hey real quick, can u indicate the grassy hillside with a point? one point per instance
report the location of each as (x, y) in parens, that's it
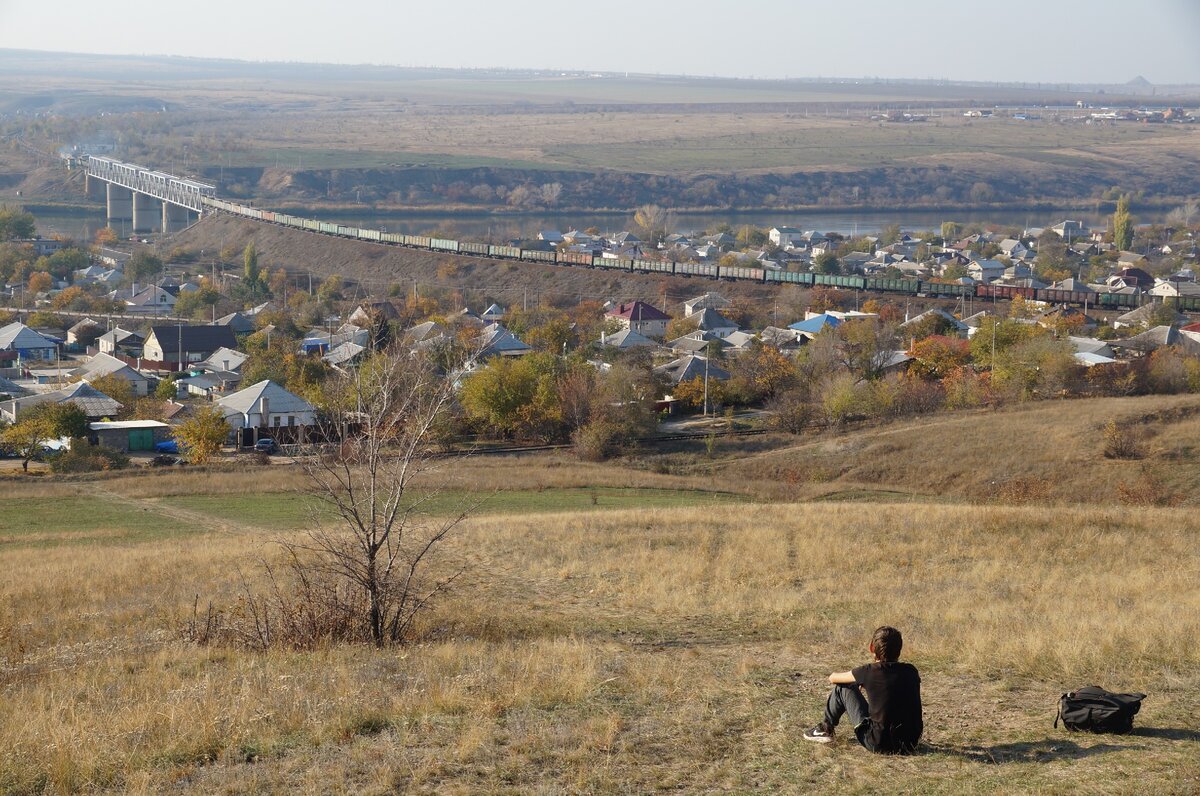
(624, 629)
(1049, 451)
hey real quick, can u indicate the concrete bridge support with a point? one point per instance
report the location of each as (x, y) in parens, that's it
(120, 206)
(147, 215)
(174, 218)
(94, 188)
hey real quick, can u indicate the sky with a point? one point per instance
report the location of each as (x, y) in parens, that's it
(1050, 41)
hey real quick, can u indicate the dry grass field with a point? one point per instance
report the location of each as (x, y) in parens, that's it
(614, 647)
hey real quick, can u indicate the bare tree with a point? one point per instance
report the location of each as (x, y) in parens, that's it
(384, 541)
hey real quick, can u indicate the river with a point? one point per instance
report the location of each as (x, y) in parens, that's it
(85, 224)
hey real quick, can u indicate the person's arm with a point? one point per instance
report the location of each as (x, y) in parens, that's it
(842, 678)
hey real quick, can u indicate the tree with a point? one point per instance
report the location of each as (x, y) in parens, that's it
(826, 263)
(382, 549)
(1122, 224)
(950, 231)
(42, 423)
(142, 266)
(936, 357)
(866, 347)
(40, 282)
(202, 435)
(250, 271)
(167, 390)
(115, 387)
(651, 222)
(760, 373)
(15, 223)
(105, 236)
(517, 397)
(331, 288)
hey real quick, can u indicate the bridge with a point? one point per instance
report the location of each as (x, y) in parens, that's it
(147, 200)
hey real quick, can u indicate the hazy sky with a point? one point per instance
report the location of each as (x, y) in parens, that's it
(1007, 40)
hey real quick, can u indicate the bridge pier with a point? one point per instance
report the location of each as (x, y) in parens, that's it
(94, 188)
(120, 206)
(174, 218)
(146, 214)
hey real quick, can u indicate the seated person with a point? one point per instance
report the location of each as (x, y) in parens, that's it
(888, 718)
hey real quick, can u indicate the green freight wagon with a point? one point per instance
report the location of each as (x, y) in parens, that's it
(444, 245)
(473, 248)
(539, 256)
(509, 252)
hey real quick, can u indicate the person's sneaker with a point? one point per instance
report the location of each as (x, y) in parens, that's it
(819, 734)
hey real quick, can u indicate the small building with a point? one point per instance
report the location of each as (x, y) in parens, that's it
(107, 365)
(95, 404)
(370, 313)
(709, 301)
(121, 341)
(785, 237)
(238, 322)
(129, 436)
(626, 339)
(83, 334)
(643, 318)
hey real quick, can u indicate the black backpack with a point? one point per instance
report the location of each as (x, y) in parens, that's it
(1092, 709)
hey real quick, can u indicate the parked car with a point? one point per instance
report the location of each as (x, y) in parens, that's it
(265, 445)
(166, 446)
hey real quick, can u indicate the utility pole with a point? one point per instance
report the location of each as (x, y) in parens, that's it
(706, 386)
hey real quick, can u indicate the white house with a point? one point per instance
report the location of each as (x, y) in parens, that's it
(266, 405)
(785, 237)
(20, 342)
(108, 365)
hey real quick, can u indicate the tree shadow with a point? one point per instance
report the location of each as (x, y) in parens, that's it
(1044, 751)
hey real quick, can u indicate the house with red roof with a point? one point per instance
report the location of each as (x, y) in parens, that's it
(643, 318)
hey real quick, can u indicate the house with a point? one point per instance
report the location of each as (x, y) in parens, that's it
(500, 342)
(713, 323)
(179, 344)
(10, 390)
(95, 404)
(345, 354)
(428, 330)
(121, 341)
(1014, 249)
(1073, 284)
(264, 409)
(810, 327)
(689, 367)
(369, 313)
(84, 333)
(782, 339)
(1169, 289)
(1090, 345)
(107, 365)
(226, 359)
(237, 322)
(129, 436)
(1070, 229)
(785, 237)
(319, 341)
(696, 343)
(626, 339)
(550, 236)
(152, 300)
(1158, 337)
(19, 342)
(952, 325)
(1131, 277)
(209, 384)
(1144, 316)
(643, 318)
(493, 313)
(986, 270)
(714, 301)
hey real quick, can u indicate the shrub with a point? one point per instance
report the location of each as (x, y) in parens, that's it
(792, 414)
(598, 440)
(1122, 443)
(83, 458)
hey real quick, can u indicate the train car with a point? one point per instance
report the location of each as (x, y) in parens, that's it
(1005, 291)
(466, 247)
(945, 289)
(369, 234)
(267, 215)
(652, 266)
(740, 272)
(539, 256)
(349, 232)
(618, 263)
(420, 241)
(697, 269)
(575, 258)
(312, 224)
(1057, 296)
(837, 280)
(886, 285)
(504, 252)
(790, 277)
(1188, 303)
(392, 237)
(443, 245)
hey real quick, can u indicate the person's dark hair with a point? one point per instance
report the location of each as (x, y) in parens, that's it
(887, 643)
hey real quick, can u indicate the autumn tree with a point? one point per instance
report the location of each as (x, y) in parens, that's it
(202, 435)
(651, 223)
(866, 346)
(937, 356)
(1122, 225)
(41, 424)
(15, 223)
(40, 282)
(760, 373)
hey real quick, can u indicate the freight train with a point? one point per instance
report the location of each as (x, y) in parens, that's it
(910, 287)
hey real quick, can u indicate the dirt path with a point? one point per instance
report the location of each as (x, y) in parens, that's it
(195, 519)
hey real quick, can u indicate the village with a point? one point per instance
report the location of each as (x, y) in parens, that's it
(143, 368)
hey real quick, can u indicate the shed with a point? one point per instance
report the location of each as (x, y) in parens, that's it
(129, 435)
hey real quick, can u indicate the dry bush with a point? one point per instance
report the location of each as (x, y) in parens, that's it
(1123, 442)
(1022, 491)
(1148, 490)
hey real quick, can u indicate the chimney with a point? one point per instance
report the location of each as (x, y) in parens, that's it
(264, 406)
